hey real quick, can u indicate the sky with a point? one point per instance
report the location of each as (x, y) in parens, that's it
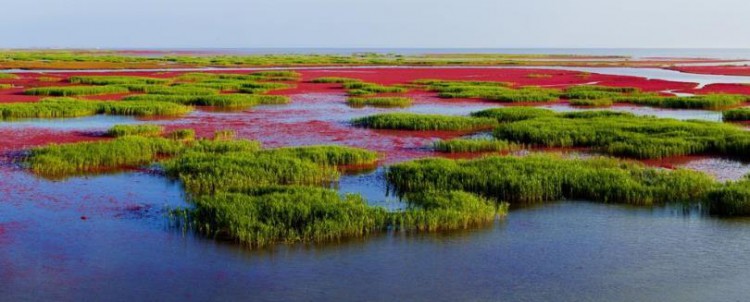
(375, 23)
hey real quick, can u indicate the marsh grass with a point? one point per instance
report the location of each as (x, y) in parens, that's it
(48, 79)
(592, 103)
(6, 86)
(446, 210)
(178, 90)
(492, 91)
(423, 122)
(57, 161)
(135, 130)
(513, 114)
(737, 115)
(461, 145)
(334, 80)
(286, 215)
(381, 102)
(220, 100)
(69, 107)
(276, 75)
(327, 155)
(75, 90)
(117, 80)
(730, 199)
(182, 134)
(627, 135)
(8, 76)
(262, 87)
(709, 101)
(541, 178)
(369, 89)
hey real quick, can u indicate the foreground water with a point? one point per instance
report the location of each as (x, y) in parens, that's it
(107, 236)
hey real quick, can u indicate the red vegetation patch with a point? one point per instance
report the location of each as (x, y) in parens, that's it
(12, 139)
(715, 70)
(723, 88)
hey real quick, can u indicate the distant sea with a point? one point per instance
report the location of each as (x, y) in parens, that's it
(712, 53)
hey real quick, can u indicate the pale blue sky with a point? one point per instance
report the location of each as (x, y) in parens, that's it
(375, 23)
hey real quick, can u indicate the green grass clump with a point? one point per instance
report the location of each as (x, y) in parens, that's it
(446, 210)
(592, 102)
(624, 134)
(182, 134)
(383, 102)
(117, 80)
(334, 80)
(737, 115)
(493, 91)
(710, 101)
(327, 155)
(730, 199)
(276, 75)
(541, 178)
(69, 107)
(367, 89)
(48, 108)
(222, 146)
(461, 145)
(136, 130)
(8, 76)
(410, 121)
(287, 215)
(75, 90)
(262, 87)
(143, 108)
(218, 85)
(594, 92)
(435, 85)
(179, 90)
(6, 86)
(49, 79)
(56, 161)
(513, 114)
(219, 100)
(235, 171)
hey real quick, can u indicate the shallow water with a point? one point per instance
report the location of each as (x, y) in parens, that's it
(658, 74)
(565, 251)
(95, 122)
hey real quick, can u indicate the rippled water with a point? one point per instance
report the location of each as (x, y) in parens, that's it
(567, 251)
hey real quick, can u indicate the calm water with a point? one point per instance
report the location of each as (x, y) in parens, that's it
(565, 251)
